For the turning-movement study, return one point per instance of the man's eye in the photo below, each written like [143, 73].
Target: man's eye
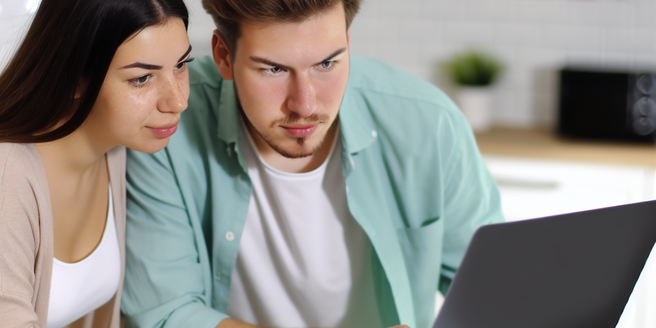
[273, 71]
[327, 64]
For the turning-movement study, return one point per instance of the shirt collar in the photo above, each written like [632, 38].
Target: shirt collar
[356, 123]
[228, 114]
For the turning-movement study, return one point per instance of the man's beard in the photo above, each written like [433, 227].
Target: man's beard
[288, 152]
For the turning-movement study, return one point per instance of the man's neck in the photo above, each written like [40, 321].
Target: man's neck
[294, 165]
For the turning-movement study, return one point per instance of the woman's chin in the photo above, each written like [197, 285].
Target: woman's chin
[151, 146]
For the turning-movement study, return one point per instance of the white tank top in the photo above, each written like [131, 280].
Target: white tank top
[81, 287]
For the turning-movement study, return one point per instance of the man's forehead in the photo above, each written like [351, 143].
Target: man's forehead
[312, 38]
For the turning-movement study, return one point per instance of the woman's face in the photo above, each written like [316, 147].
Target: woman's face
[145, 90]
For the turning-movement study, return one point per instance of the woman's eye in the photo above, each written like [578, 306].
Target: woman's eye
[140, 81]
[183, 63]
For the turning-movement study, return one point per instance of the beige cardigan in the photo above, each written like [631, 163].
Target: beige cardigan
[26, 238]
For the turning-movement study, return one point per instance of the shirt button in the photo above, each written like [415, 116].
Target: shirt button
[218, 276]
[236, 149]
[230, 236]
[374, 133]
[240, 177]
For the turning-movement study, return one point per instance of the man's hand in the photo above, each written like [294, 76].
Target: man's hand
[233, 323]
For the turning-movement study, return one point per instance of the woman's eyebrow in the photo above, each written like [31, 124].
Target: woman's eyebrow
[142, 65]
[154, 67]
[185, 54]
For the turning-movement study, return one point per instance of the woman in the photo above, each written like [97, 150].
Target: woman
[90, 77]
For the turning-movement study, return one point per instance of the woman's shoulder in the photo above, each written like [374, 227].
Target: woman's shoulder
[20, 161]
[26, 233]
[22, 176]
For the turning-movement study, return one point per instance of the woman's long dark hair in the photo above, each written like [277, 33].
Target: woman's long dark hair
[70, 43]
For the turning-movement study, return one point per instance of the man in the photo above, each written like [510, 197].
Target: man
[304, 188]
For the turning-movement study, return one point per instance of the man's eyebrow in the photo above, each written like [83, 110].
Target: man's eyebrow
[154, 67]
[333, 55]
[270, 63]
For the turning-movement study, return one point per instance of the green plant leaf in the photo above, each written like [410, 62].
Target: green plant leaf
[474, 68]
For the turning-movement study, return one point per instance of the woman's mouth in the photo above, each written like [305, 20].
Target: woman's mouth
[164, 131]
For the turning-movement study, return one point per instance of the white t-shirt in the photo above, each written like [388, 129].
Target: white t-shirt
[81, 287]
[303, 259]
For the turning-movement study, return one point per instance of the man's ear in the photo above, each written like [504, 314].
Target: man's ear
[221, 55]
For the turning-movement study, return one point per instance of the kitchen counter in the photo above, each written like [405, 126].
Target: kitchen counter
[544, 144]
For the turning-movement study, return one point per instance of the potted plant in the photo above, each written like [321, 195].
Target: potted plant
[474, 72]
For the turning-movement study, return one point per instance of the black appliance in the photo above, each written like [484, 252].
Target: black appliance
[607, 105]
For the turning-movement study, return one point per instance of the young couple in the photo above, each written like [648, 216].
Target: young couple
[303, 187]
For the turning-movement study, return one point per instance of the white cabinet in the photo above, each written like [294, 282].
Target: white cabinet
[532, 188]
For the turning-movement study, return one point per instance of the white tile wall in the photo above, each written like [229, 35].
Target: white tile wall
[534, 38]
[14, 20]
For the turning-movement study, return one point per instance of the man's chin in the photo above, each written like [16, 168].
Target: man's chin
[293, 152]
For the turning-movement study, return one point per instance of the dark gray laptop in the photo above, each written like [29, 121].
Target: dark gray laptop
[573, 270]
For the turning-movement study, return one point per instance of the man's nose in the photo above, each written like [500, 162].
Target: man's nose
[302, 98]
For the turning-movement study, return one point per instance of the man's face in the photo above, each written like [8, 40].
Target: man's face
[290, 79]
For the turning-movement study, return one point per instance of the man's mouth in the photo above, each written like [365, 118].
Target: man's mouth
[300, 131]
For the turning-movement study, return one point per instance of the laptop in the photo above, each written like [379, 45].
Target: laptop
[572, 270]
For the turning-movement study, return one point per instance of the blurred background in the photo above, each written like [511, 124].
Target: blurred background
[553, 144]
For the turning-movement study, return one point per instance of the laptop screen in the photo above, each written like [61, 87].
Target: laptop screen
[572, 270]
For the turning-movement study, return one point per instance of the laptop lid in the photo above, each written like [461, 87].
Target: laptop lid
[572, 270]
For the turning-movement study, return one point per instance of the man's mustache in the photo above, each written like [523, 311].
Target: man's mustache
[295, 119]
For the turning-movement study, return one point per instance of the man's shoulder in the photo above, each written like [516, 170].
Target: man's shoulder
[392, 96]
[203, 71]
[374, 76]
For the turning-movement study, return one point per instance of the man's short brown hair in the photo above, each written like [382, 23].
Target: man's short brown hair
[228, 14]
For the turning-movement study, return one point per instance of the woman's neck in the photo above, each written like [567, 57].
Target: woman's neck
[76, 154]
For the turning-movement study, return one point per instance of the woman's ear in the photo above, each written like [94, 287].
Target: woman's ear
[81, 88]
[221, 55]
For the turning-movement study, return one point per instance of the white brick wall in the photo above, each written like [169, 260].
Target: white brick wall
[533, 38]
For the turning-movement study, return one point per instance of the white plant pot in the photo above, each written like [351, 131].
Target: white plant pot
[475, 103]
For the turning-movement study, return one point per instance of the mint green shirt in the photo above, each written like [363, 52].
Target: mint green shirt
[415, 182]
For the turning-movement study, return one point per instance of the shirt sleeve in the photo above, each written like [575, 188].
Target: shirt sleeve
[166, 283]
[19, 217]
[471, 196]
